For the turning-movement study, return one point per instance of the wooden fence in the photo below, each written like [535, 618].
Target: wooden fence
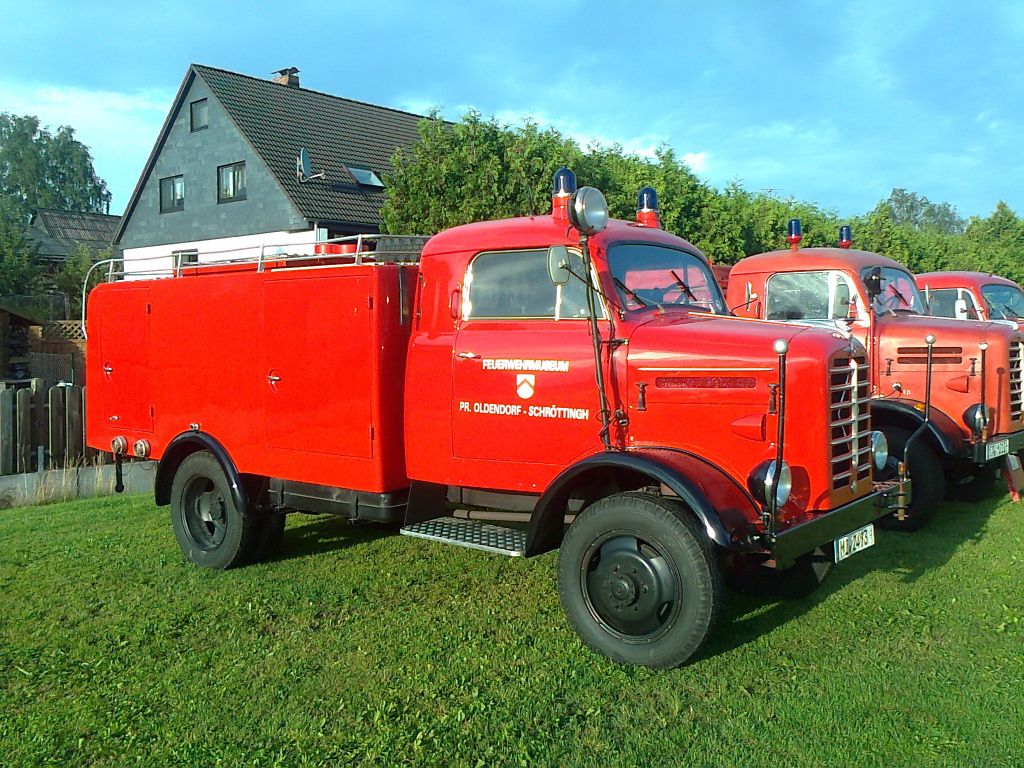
[41, 428]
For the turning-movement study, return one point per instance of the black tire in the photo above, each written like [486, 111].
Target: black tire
[210, 529]
[926, 475]
[977, 486]
[796, 582]
[645, 552]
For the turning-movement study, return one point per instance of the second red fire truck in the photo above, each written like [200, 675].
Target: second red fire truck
[577, 373]
[951, 390]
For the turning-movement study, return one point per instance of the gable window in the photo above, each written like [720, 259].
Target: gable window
[231, 182]
[172, 194]
[365, 177]
[516, 285]
[199, 114]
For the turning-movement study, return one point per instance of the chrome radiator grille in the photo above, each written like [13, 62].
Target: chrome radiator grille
[850, 422]
[1016, 395]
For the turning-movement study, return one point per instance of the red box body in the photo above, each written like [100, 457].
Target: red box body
[202, 352]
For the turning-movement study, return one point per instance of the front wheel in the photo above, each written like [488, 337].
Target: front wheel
[638, 580]
[928, 483]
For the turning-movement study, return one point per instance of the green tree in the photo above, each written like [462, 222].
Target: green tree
[909, 209]
[70, 275]
[40, 169]
[473, 170]
[18, 273]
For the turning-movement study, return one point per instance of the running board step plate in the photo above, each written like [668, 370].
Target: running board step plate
[472, 534]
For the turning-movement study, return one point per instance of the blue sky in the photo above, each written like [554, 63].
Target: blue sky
[835, 103]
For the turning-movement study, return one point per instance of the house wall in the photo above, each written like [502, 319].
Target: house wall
[158, 260]
[196, 156]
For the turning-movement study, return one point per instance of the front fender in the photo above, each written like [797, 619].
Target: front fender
[722, 505]
[941, 427]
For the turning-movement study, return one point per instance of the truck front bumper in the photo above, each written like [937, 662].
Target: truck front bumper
[996, 447]
[824, 529]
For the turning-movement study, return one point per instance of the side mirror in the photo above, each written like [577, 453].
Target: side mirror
[558, 264]
[960, 308]
[851, 310]
[873, 282]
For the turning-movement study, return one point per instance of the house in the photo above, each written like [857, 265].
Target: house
[225, 179]
[56, 234]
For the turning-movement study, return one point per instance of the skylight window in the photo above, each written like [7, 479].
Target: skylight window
[365, 177]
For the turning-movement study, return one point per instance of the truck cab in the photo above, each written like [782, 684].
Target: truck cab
[972, 296]
[545, 382]
[958, 381]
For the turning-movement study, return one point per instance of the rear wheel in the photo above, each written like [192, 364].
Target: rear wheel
[978, 485]
[926, 476]
[638, 580]
[269, 540]
[209, 527]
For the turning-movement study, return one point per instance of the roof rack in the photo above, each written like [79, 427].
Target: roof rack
[351, 250]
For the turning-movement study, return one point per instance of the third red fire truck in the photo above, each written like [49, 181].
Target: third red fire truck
[577, 373]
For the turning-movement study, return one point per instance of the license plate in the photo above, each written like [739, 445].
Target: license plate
[854, 542]
[997, 449]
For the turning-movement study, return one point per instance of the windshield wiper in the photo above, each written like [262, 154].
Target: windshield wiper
[683, 285]
[633, 293]
[903, 298]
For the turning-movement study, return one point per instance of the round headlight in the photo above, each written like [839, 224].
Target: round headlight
[766, 480]
[588, 210]
[977, 417]
[879, 450]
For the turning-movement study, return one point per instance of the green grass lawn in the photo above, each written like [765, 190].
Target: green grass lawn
[360, 648]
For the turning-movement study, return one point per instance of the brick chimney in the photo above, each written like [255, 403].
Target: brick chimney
[288, 76]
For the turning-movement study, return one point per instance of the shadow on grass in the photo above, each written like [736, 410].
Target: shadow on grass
[328, 534]
[911, 555]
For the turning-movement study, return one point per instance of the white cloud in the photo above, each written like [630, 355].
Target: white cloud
[119, 128]
[697, 161]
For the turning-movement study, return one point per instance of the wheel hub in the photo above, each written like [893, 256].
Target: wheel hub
[630, 586]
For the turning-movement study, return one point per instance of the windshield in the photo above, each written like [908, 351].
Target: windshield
[1005, 302]
[659, 276]
[891, 289]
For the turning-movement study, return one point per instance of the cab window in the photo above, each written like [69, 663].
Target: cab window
[1005, 302]
[952, 302]
[824, 295]
[515, 284]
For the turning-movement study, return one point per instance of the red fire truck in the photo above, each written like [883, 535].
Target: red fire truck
[972, 296]
[577, 374]
[975, 415]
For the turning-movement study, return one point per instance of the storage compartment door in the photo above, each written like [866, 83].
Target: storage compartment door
[125, 380]
[318, 364]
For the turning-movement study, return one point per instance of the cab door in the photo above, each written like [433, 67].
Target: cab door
[523, 381]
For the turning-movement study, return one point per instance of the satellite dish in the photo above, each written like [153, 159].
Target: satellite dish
[304, 167]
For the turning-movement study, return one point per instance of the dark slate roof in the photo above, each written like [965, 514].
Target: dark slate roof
[58, 232]
[279, 120]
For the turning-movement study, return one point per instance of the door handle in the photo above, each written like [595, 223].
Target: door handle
[272, 378]
[108, 369]
[466, 355]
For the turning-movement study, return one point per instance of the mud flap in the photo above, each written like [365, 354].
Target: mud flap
[1014, 474]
